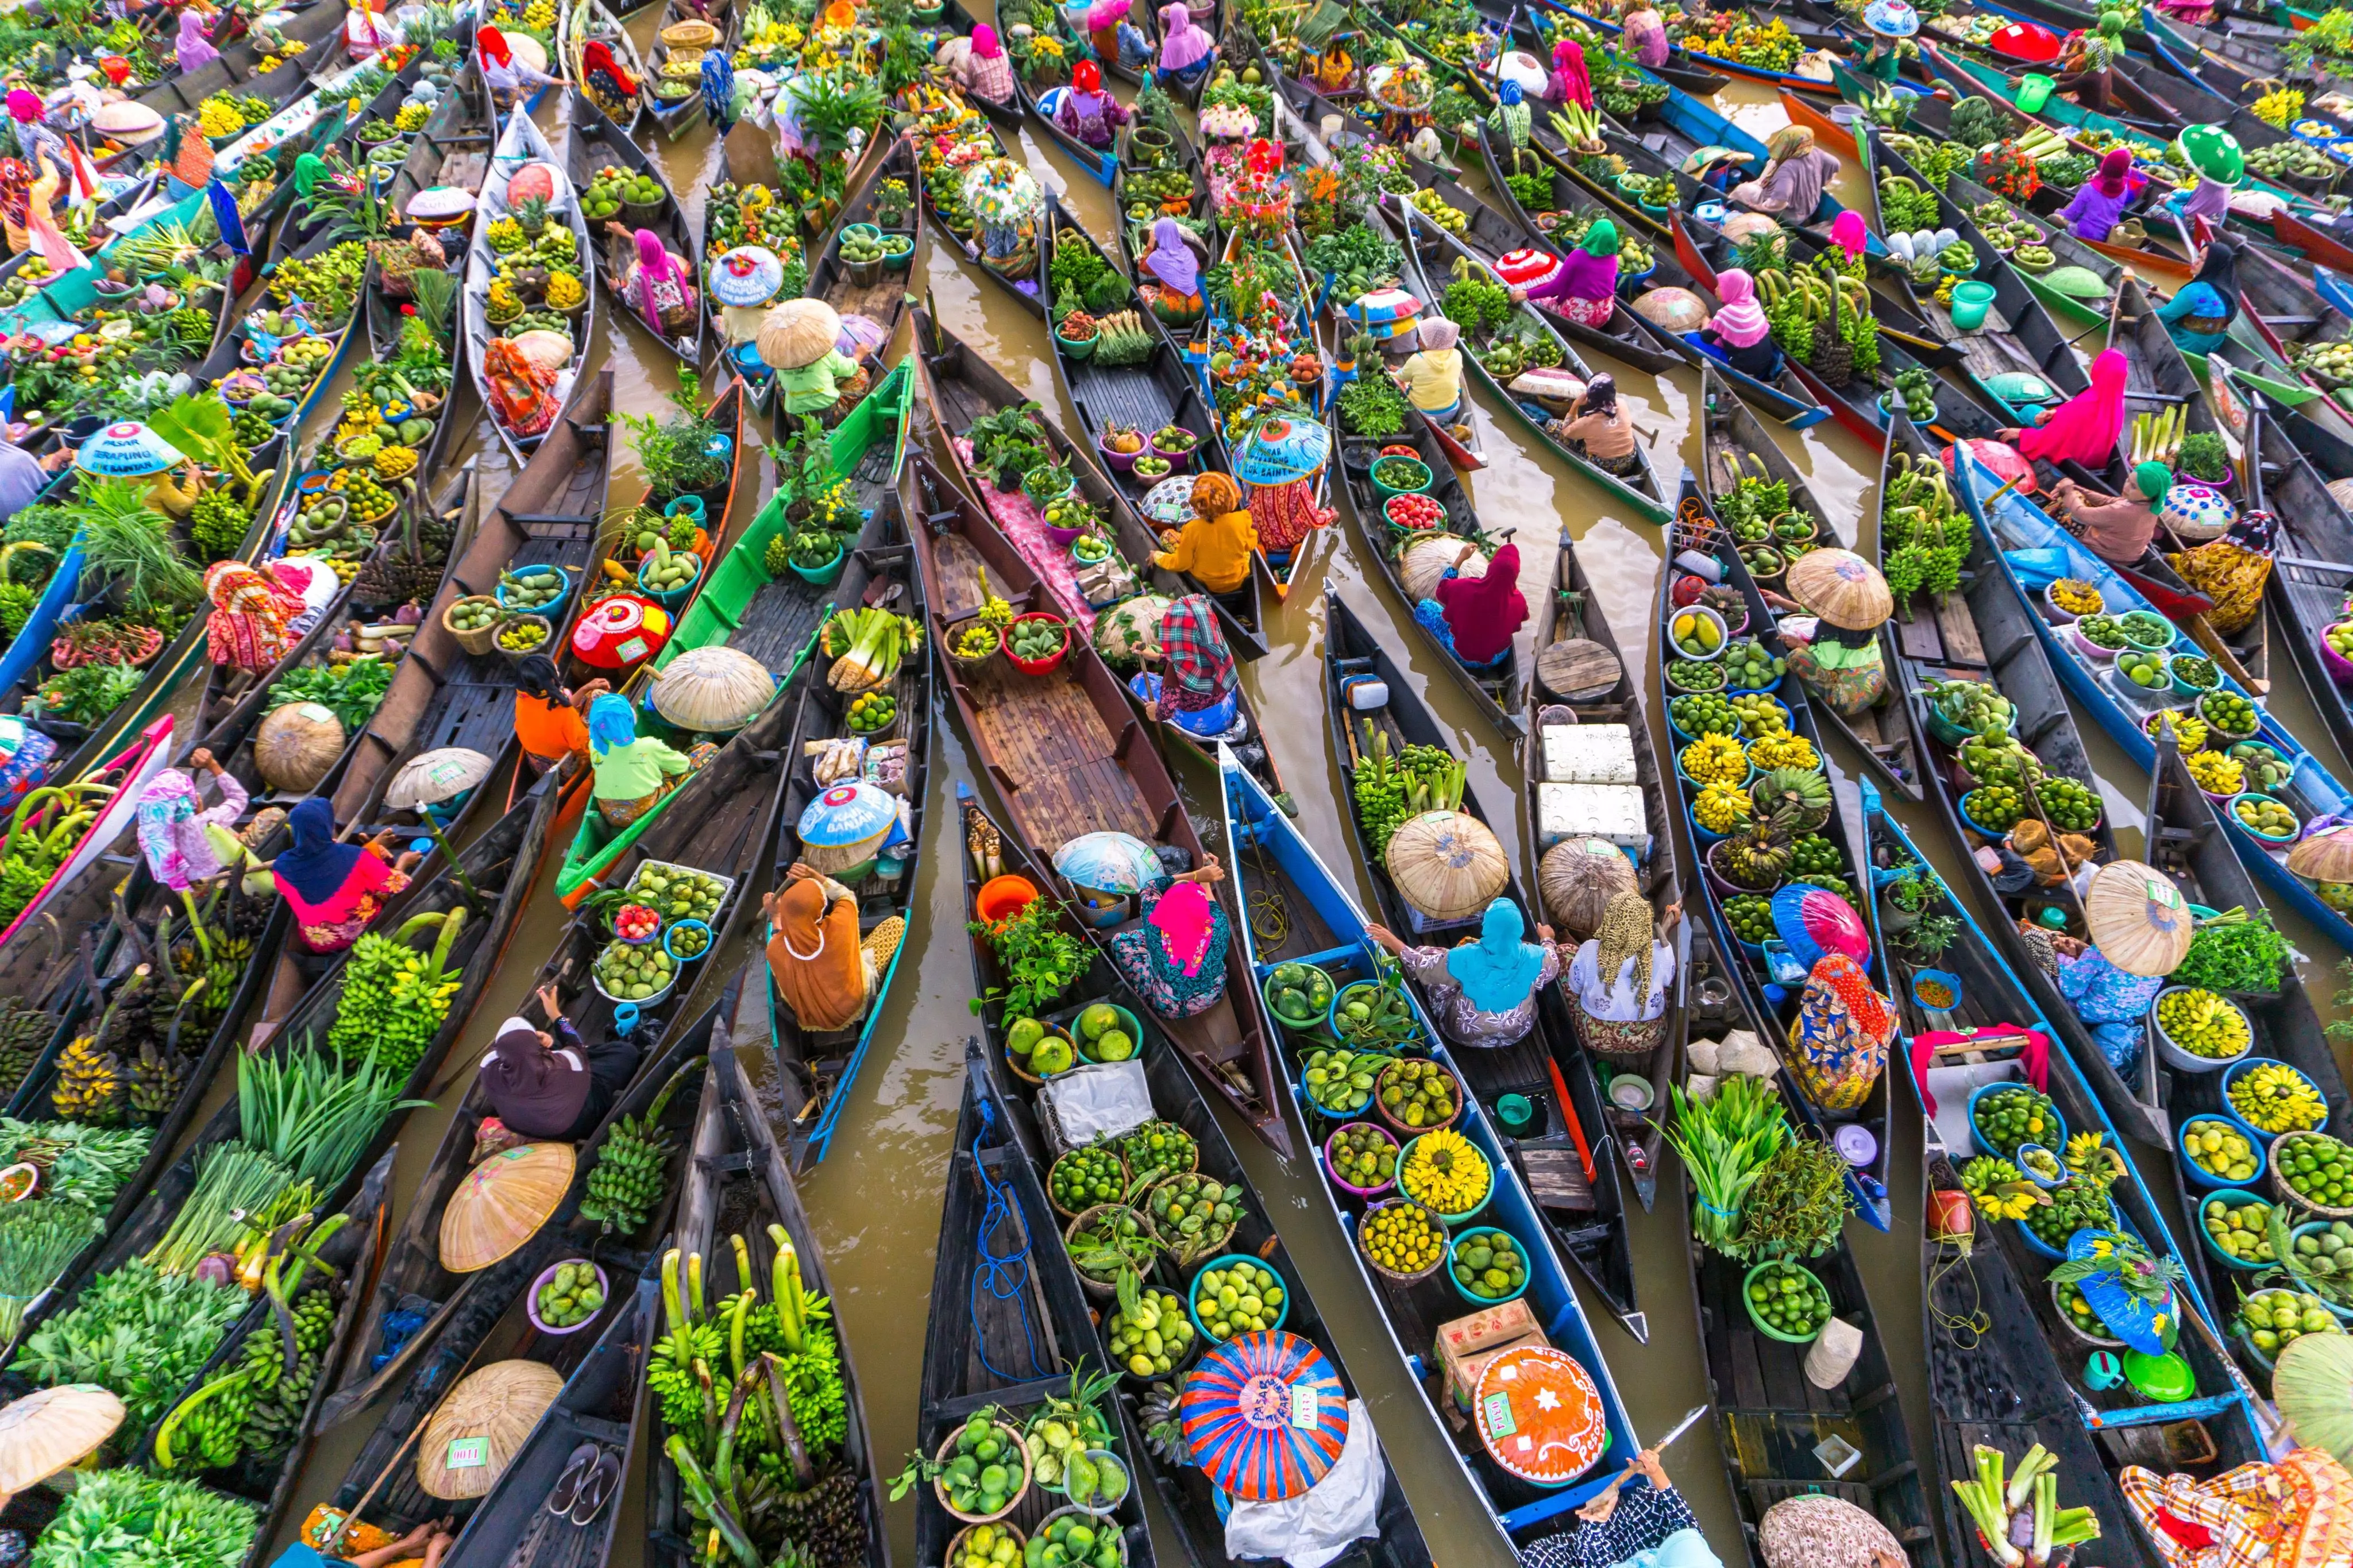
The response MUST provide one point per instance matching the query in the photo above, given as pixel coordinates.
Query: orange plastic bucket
(1002, 897)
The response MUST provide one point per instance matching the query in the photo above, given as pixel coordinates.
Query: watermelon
(2076, 282)
(530, 180)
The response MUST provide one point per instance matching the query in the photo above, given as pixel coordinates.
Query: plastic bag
(1100, 1100)
(1315, 1527)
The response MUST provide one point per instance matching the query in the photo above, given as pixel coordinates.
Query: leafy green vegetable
(2235, 952)
(349, 691)
(81, 1165)
(130, 1516)
(139, 1333)
(1373, 407)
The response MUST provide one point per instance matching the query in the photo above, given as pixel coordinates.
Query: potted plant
(684, 454)
(1909, 896)
(893, 206)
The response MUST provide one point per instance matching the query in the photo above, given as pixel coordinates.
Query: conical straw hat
(2326, 857)
(1842, 588)
(798, 332)
(435, 776)
(44, 1433)
(482, 1425)
(2137, 918)
(1447, 864)
(502, 1202)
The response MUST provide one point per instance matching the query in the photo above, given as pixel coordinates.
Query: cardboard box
(1464, 1346)
(1613, 813)
(1589, 753)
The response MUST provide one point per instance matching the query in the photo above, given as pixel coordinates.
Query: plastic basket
(1465, 1292)
(1757, 1322)
(547, 1274)
(1038, 665)
(1233, 1260)
(2234, 1196)
(2199, 1177)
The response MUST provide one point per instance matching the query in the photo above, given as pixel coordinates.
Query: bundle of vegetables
(254, 1403)
(1356, 261)
(312, 1115)
(1122, 339)
(866, 646)
(2022, 1525)
(751, 1391)
(1797, 1205)
(238, 1189)
(352, 692)
(1725, 1142)
(136, 1331)
(1372, 407)
(394, 997)
(2157, 438)
(1924, 537)
(2234, 952)
(84, 1166)
(117, 1516)
(37, 1241)
(1391, 789)
(1904, 205)
(1039, 959)
(1822, 318)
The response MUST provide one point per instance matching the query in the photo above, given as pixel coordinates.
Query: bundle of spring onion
(2157, 438)
(1724, 1141)
(314, 1116)
(37, 1241)
(2022, 1523)
(866, 646)
(233, 1182)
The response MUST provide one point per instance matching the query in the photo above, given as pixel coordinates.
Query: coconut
(1426, 559)
(1125, 630)
(297, 746)
(1679, 311)
(714, 688)
(530, 180)
(1578, 878)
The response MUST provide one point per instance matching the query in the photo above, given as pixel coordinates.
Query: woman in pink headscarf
(1185, 49)
(1571, 83)
(2084, 428)
(2099, 206)
(35, 141)
(986, 72)
(1738, 333)
(656, 282)
(1848, 235)
(193, 48)
(1175, 956)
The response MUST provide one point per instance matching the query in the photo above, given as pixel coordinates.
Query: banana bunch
(394, 997)
(156, 1079)
(627, 1183)
(90, 1084)
(253, 1403)
(2275, 1098)
(2279, 106)
(670, 1372)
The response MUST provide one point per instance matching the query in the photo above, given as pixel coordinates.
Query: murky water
(876, 1200)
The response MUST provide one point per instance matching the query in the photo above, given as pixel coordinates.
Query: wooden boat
(1008, 1352)
(1328, 928)
(1025, 290)
(1812, 36)
(1768, 1412)
(1061, 751)
(957, 19)
(2015, 522)
(1563, 1152)
(673, 115)
(1103, 163)
(2287, 468)
(737, 1185)
(339, 142)
(595, 143)
(1581, 676)
(818, 1067)
(2003, 1368)
(1695, 529)
(1187, 1496)
(1424, 252)
(773, 619)
(2226, 62)
(1734, 445)
(883, 301)
(587, 20)
(965, 388)
(1133, 233)
(521, 142)
(1493, 689)
(419, 1312)
(1159, 394)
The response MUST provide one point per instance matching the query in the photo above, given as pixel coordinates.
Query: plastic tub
(546, 1276)
(2184, 689)
(1038, 666)
(1997, 834)
(2196, 1174)
(1178, 461)
(2188, 1061)
(821, 576)
(1383, 491)
(1465, 1291)
(1971, 302)
(1332, 1018)
(1001, 898)
(1233, 1261)
(2055, 1139)
(1449, 1220)
(2230, 1075)
(1721, 636)
(1779, 1266)
(1366, 1195)
(570, 579)
(670, 931)
(1133, 1030)
(2035, 1244)
(2034, 90)
(671, 597)
(2087, 647)
(1297, 1026)
(2235, 1197)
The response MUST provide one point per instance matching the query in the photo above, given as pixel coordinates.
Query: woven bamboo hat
(468, 1441)
(1447, 864)
(2137, 918)
(502, 1202)
(1842, 588)
(712, 689)
(798, 332)
(436, 776)
(44, 1433)
(2325, 857)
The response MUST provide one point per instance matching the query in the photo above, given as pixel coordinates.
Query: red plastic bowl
(1038, 665)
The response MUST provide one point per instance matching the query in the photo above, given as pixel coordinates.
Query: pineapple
(530, 213)
(90, 1084)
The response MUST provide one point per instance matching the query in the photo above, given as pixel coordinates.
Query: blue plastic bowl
(2197, 1175)
(2233, 1196)
(2231, 1074)
(1233, 1261)
(1977, 1140)
(1466, 1292)
(675, 927)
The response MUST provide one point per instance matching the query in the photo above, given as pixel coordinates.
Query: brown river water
(876, 1200)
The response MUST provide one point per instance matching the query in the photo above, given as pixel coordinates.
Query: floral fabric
(1141, 956)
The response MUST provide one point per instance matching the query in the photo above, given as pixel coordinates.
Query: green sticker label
(1496, 1413)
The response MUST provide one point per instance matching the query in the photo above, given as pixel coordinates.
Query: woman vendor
(512, 80)
(2117, 529)
(2289, 1513)
(1584, 288)
(192, 49)
(1796, 174)
(1643, 32)
(658, 284)
(1571, 83)
(1484, 991)
(985, 71)
(1596, 425)
(35, 141)
(744, 283)
(2198, 317)
(1173, 283)
(1889, 21)
(1738, 333)
(251, 624)
(800, 341)
(336, 888)
(1432, 375)
(1815, 1529)
(2084, 428)
(548, 719)
(1087, 111)
(173, 820)
(605, 75)
(2100, 202)
(2086, 69)
(1185, 46)
(1476, 618)
(1214, 549)
(1837, 652)
(1175, 956)
(1195, 688)
(1512, 120)
(2215, 156)
(364, 1546)
(1647, 1526)
(1838, 1043)
(824, 971)
(633, 772)
(1619, 978)
(544, 1083)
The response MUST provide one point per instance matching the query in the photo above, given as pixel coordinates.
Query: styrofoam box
(1589, 753)
(1605, 811)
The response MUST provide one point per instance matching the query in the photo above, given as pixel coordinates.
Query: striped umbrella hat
(1264, 1416)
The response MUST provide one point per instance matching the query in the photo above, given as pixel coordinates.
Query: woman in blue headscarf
(633, 772)
(336, 888)
(1511, 118)
(1482, 992)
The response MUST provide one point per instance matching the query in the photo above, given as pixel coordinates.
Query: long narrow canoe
(521, 142)
(594, 143)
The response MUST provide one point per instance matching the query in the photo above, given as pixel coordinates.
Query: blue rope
(1004, 1275)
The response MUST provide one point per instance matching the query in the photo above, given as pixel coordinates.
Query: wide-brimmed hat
(747, 275)
(798, 333)
(1842, 588)
(127, 450)
(1891, 18)
(2213, 152)
(1283, 449)
(128, 122)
